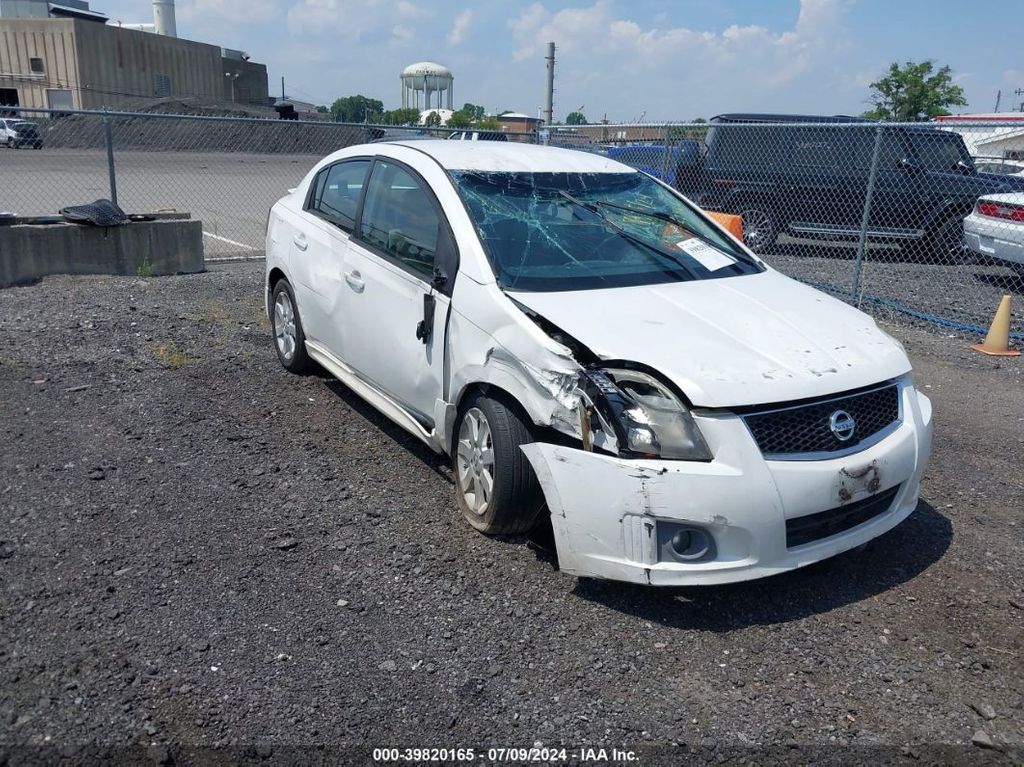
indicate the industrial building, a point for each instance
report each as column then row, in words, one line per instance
column 66, row 56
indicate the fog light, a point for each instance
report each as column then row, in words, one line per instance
column 684, row 543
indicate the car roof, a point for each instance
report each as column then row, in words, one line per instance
column 512, row 157
column 753, row 117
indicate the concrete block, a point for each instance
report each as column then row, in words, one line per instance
column 145, row 248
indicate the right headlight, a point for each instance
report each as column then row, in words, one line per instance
column 647, row 418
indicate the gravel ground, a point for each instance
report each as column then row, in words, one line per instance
column 201, row 550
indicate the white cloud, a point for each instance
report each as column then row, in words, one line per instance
column 679, row 68
column 410, row 10
column 460, row 27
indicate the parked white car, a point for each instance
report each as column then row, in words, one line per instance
column 580, row 338
column 995, row 228
column 16, row 133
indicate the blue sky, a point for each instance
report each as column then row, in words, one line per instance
column 627, row 59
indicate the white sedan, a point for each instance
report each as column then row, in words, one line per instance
column 585, row 343
column 995, row 228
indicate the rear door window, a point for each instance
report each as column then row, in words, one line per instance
column 337, row 191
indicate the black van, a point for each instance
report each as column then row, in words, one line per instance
column 808, row 176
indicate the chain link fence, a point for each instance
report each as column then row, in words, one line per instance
column 918, row 221
column 922, row 221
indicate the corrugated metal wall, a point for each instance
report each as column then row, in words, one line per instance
column 108, row 66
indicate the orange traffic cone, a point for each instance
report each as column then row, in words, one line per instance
column 997, row 342
column 734, row 224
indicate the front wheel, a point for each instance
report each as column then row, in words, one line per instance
column 289, row 338
column 760, row 228
column 495, row 487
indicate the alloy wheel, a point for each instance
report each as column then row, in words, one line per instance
column 475, row 461
column 757, row 229
column 284, row 324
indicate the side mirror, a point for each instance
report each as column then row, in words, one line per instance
column 911, row 166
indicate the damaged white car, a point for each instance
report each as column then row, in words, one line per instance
column 583, row 341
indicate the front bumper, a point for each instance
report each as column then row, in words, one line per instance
column 605, row 510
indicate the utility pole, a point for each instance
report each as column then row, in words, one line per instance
column 549, row 110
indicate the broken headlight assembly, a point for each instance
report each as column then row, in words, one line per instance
column 641, row 415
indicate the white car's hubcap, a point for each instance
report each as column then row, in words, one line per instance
column 475, row 461
column 284, row 325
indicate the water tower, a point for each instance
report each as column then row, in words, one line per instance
column 429, row 79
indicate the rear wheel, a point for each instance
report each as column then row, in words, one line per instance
column 495, row 487
column 760, row 227
column 944, row 244
column 289, row 339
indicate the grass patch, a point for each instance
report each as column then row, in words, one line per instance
column 171, row 356
column 214, row 312
column 145, row 268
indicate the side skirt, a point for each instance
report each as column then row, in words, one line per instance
column 378, row 399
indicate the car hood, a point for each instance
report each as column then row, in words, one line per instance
column 730, row 342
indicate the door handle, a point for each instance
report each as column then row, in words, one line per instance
column 355, row 281
column 300, row 242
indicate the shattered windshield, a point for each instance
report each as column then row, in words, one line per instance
column 579, row 231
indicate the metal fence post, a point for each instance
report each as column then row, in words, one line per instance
column 862, row 241
column 111, row 172
column 665, row 165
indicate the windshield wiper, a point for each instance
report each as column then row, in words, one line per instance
column 662, row 215
column 623, row 232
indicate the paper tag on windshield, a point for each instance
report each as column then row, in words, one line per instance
column 709, row 257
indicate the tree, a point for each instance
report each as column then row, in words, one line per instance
column 460, row 119
column 912, row 92
column 433, row 120
column 576, row 118
column 475, row 112
column 322, row 109
column 402, row 116
column 356, row 109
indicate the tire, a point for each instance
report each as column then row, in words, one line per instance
column 289, row 339
column 487, row 427
column 760, row 227
column 944, row 244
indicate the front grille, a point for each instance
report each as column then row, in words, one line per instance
column 825, row 524
column 806, row 428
